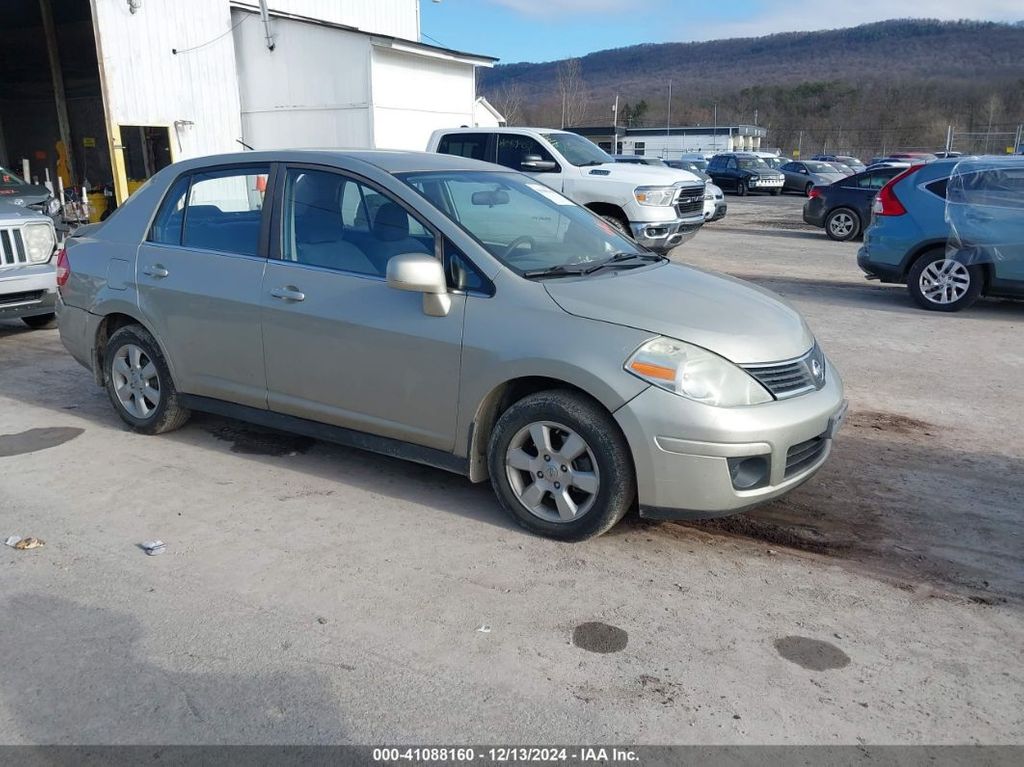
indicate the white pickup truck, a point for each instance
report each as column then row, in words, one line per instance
column 28, row 282
column 660, row 208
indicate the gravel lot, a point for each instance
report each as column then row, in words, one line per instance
column 311, row 593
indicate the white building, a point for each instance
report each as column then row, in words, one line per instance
column 113, row 90
column 671, row 143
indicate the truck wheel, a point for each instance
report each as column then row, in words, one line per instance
column 741, row 188
column 41, row 321
column 842, row 224
column 942, row 284
column 618, row 225
column 139, row 382
column 560, row 466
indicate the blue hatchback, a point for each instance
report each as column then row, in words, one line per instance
column 950, row 252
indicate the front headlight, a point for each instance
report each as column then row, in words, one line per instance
column 695, row 373
column 655, row 195
column 39, row 241
column 53, row 206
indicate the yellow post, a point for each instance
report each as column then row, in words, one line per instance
column 117, row 164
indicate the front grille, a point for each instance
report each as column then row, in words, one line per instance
column 7, row 299
column 805, row 454
column 690, row 201
column 793, row 377
column 12, row 247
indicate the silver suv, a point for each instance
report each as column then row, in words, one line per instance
column 454, row 313
column 28, row 287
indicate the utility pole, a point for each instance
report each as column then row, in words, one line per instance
column 800, row 144
column 716, row 126
column 59, row 96
column 949, row 138
column 615, row 126
column 1020, row 135
column 668, row 120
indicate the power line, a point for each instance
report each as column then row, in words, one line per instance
column 234, row 26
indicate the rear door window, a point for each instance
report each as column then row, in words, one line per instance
column 513, row 149
column 166, row 228
column 471, row 145
column 224, row 210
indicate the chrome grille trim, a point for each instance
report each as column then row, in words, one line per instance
column 791, row 378
column 12, row 247
column 805, row 454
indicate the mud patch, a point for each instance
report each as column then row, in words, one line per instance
column 33, row 440
column 600, row 637
column 253, row 440
column 801, row 537
column 893, row 423
column 662, row 691
column 812, row 654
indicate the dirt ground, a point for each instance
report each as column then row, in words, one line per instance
column 315, row 594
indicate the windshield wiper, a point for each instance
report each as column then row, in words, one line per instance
column 561, row 270
column 620, row 259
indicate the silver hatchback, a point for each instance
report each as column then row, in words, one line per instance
column 453, row 313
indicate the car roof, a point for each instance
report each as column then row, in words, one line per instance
column 388, row 160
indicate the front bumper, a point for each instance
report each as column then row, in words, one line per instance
column 27, row 291
column 720, row 209
column 763, row 184
column 877, row 271
column 681, row 449
column 662, row 236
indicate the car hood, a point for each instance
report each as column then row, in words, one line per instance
column 763, row 172
column 737, row 320
column 29, row 194
column 643, row 175
column 9, row 211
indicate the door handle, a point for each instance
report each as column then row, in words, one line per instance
column 156, row 270
column 289, row 293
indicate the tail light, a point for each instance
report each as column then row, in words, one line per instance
column 815, row 192
column 63, row 268
column 887, row 203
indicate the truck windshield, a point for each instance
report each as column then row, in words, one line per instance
column 577, row 150
column 9, row 179
column 526, row 225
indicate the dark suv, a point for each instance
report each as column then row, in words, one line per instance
column 843, row 208
column 743, row 172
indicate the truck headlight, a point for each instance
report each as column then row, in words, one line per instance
column 656, row 196
column 39, row 241
column 695, row 373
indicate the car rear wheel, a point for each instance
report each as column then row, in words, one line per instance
column 842, row 224
column 943, row 284
column 741, row 188
column 560, row 465
column 41, row 321
column 139, row 382
column 807, row 189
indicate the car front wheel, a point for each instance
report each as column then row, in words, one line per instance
column 943, row 284
column 842, row 224
column 560, row 465
column 139, row 382
column 741, row 188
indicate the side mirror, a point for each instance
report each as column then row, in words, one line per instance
column 804, row 171
column 537, row 164
column 421, row 273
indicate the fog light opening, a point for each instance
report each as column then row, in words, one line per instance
column 750, row 472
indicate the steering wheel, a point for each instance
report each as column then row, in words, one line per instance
column 517, row 243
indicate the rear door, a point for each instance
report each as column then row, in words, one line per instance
column 199, row 275
column 341, row 347
column 477, row 145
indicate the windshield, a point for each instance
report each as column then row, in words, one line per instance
column 773, row 162
column 524, row 224
column 752, row 163
column 9, row 178
column 821, row 167
column 577, row 150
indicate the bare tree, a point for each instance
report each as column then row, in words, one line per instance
column 572, row 91
column 508, row 99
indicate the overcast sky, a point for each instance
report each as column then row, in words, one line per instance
column 543, row 30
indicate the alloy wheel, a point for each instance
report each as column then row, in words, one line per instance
column 552, row 471
column 841, row 225
column 944, row 281
column 136, row 381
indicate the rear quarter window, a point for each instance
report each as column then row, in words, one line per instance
column 471, row 145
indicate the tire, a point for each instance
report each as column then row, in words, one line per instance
column 41, row 321
column 618, row 225
column 842, row 224
column 132, row 364
column 775, row 192
column 598, row 459
column 943, row 285
column 741, row 188
column 808, row 188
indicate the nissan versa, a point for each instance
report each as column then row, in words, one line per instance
column 454, row 313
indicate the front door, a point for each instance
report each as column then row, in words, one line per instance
column 340, row 346
column 199, row 275
column 513, row 149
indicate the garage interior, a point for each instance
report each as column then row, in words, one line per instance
column 51, row 104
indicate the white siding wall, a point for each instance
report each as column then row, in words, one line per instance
column 146, row 84
column 399, row 18
column 312, row 90
column 671, row 147
column 413, row 95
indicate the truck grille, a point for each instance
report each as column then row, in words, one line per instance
column 19, row 299
column 794, row 377
column 12, row 247
column 690, row 200
column 805, row 454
